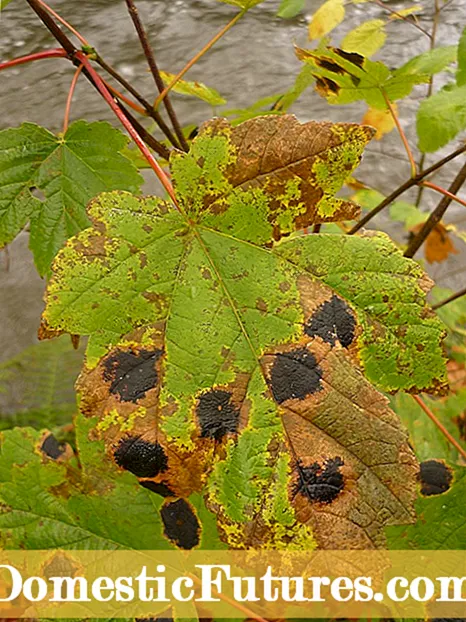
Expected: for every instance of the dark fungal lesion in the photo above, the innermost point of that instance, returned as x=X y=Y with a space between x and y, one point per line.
x=159 y=488
x=132 y=373
x=52 y=448
x=435 y=477
x=332 y=321
x=320 y=483
x=217 y=414
x=141 y=457
x=181 y=525
x=295 y=375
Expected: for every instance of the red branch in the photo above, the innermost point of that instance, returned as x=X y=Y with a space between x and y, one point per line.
x=127 y=125
x=55 y=53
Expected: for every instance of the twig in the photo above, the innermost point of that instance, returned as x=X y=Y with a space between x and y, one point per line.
x=128 y=126
x=453 y=197
x=153 y=143
x=403 y=17
x=404 y=140
x=74 y=81
x=139 y=109
x=56 y=31
x=55 y=53
x=193 y=61
x=451 y=298
x=409 y=183
x=149 y=54
x=64 y=23
x=440 y=426
x=436 y=216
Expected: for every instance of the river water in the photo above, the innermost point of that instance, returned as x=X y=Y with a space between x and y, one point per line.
x=254 y=60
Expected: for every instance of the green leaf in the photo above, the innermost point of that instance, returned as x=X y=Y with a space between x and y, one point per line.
x=243 y=4
x=290 y=8
x=66 y=171
x=194 y=89
x=440 y=524
x=326 y=18
x=228 y=357
x=430 y=62
x=344 y=77
x=366 y=39
x=4 y=3
x=37 y=386
x=402 y=211
x=440 y=118
x=461 y=73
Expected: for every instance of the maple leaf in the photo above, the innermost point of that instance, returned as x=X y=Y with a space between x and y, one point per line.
x=225 y=362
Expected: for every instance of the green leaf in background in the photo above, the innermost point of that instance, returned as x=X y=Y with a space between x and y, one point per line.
x=461 y=73
x=239 y=351
x=365 y=39
x=441 y=117
x=326 y=18
x=194 y=89
x=37 y=386
x=48 y=180
x=290 y=8
x=440 y=525
x=243 y=4
x=401 y=211
x=4 y=3
x=267 y=105
x=430 y=62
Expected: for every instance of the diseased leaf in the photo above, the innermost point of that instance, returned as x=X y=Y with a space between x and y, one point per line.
x=223 y=363
x=365 y=39
x=345 y=77
x=461 y=58
x=66 y=171
x=440 y=526
x=441 y=117
x=290 y=8
x=326 y=18
x=438 y=245
x=382 y=120
x=194 y=89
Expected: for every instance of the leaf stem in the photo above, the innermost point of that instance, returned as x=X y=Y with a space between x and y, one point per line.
x=193 y=61
x=127 y=100
x=436 y=216
x=153 y=143
x=128 y=126
x=453 y=197
x=55 y=53
x=149 y=54
x=402 y=135
x=64 y=23
x=440 y=425
x=451 y=298
x=74 y=81
x=409 y=183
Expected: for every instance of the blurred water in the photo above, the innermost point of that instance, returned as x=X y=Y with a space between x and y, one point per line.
x=253 y=60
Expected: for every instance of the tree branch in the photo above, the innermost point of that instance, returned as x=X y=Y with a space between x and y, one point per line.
x=437 y=215
x=451 y=298
x=56 y=53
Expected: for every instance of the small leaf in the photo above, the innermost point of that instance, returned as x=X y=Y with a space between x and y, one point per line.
x=461 y=73
x=290 y=8
x=438 y=245
x=400 y=13
x=430 y=62
x=194 y=89
x=67 y=171
x=365 y=39
x=326 y=18
x=382 y=120
x=441 y=117
x=407 y=213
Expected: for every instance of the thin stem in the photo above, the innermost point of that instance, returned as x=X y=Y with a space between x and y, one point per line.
x=128 y=126
x=146 y=105
x=193 y=61
x=55 y=53
x=56 y=31
x=451 y=298
x=74 y=81
x=403 y=17
x=437 y=215
x=127 y=100
x=402 y=135
x=153 y=143
x=440 y=425
x=453 y=197
x=64 y=23
x=409 y=183
x=149 y=54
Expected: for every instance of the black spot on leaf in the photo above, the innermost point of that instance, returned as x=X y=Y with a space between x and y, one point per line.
x=132 y=374
x=322 y=484
x=435 y=477
x=352 y=57
x=181 y=524
x=325 y=85
x=329 y=65
x=295 y=375
x=217 y=414
x=52 y=448
x=140 y=457
x=160 y=489
x=332 y=320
